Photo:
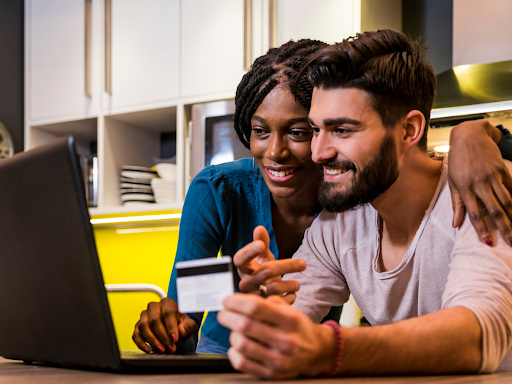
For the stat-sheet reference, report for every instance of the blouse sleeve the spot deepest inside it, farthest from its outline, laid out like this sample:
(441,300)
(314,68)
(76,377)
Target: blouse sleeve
(505,146)
(202,227)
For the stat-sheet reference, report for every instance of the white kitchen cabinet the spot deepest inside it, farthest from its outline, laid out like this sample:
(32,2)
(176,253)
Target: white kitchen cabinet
(56,63)
(145,51)
(122,74)
(212,46)
(326,20)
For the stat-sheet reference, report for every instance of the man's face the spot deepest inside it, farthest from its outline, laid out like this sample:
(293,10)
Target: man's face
(355,150)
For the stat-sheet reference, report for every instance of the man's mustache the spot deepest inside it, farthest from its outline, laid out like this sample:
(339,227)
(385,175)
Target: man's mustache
(346,164)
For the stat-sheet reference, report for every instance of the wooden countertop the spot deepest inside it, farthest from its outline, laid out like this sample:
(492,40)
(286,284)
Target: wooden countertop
(16,372)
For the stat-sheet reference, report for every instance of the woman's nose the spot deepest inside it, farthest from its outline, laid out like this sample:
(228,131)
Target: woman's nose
(278,148)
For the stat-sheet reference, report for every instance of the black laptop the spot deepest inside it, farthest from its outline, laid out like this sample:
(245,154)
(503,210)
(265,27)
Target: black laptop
(53,304)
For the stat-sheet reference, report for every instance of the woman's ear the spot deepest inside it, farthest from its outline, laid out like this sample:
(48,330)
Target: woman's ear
(413,128)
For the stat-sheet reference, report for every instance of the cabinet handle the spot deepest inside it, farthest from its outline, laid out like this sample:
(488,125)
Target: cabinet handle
(88,48)
(247,34)
(272,23)
(108,46)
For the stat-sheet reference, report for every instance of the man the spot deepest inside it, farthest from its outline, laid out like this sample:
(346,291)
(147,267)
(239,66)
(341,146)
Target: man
(440,300)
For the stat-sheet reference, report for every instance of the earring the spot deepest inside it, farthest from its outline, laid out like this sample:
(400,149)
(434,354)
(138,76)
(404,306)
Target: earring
(255,171)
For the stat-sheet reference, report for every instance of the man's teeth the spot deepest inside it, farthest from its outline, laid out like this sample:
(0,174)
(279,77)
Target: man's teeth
(335,171)
(280,173)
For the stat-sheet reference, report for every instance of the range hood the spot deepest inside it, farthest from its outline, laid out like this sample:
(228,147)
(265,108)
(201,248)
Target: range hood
(473,89)
(470,92)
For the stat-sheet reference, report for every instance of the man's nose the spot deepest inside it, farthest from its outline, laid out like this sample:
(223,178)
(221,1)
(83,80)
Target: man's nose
(322,149)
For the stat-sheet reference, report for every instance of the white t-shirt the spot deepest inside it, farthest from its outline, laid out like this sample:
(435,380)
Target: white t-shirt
(444,267)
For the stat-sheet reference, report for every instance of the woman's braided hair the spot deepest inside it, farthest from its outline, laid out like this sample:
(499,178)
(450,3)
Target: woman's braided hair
(279,65)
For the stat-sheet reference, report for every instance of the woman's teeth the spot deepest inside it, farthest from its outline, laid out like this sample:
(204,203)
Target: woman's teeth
(280,173)
(335,171)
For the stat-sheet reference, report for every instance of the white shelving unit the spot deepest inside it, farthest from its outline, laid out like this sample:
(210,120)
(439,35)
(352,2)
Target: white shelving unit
(122,72)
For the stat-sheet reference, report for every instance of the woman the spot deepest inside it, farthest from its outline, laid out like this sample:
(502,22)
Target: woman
(277,189)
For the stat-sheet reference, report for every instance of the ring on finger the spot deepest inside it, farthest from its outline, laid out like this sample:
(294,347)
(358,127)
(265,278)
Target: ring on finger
(263,291)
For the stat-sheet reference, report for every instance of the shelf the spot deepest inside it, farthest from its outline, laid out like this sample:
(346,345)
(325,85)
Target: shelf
(83,131)
(131,139)
(122,210)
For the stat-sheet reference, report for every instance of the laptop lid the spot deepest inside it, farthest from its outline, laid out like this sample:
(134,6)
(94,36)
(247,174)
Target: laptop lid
(53,303)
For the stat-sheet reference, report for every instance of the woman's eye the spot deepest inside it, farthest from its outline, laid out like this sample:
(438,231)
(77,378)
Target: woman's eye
(301,132)
(258,131)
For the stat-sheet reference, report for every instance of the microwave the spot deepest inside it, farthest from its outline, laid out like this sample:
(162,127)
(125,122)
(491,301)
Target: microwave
(212,138)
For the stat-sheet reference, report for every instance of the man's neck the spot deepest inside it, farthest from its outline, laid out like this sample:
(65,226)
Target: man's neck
(402,207)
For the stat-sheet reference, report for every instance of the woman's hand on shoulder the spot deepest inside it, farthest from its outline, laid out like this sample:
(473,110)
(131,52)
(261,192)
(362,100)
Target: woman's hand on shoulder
(163,327)
(480,182)
(257,266)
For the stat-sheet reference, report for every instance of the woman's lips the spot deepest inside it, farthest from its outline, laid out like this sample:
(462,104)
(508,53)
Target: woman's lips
(280,176)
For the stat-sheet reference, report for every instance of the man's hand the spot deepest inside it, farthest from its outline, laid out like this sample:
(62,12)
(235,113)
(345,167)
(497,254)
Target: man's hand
(163,327)
(257,266)
(480,183)
(270,339)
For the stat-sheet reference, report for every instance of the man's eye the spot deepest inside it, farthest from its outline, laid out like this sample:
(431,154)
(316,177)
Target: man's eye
(342,131)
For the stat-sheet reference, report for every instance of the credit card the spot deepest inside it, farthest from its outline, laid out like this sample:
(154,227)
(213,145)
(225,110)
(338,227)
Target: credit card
(203,284)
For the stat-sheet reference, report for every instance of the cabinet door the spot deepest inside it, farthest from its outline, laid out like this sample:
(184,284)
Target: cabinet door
(212,54)
(56,59)
(327,20)
(145,52)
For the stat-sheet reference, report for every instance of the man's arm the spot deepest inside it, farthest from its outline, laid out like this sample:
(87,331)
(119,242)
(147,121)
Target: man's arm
(271,340)
(480,279)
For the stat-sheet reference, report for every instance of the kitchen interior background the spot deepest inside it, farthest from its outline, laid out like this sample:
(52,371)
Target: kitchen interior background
(124,75)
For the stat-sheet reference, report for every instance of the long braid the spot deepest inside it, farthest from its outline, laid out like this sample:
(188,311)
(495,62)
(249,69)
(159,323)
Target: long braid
(279,65)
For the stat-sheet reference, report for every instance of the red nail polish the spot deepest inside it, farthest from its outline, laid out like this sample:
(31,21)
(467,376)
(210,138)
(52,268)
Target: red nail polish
(488,241)
(160,349)
(147,349)
(174,338)
(510,241)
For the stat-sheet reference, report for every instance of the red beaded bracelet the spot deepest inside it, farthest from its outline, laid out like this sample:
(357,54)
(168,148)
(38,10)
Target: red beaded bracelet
(339,347)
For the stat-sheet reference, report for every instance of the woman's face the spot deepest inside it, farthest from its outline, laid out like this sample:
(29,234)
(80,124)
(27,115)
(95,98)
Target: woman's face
(281,144)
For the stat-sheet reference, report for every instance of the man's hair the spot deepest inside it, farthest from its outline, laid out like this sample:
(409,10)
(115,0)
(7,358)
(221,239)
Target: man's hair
(386,65)
(279,65)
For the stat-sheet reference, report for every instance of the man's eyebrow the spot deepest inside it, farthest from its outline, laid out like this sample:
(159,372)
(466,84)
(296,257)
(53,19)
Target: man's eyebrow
(341,121)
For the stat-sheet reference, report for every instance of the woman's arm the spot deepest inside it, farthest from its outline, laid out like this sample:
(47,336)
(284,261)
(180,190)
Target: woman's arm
(480,183)
(162,325)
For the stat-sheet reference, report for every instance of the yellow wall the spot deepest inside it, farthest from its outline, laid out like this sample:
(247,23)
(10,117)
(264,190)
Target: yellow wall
(141,253)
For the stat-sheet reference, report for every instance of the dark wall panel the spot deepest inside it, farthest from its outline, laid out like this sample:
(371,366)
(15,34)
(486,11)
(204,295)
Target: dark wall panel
(433,21)
(11,68)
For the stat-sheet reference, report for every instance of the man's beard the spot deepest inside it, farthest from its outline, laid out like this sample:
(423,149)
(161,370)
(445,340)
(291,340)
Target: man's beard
(367,184)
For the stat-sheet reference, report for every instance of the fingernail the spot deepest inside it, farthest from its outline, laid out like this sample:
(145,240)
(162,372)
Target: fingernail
(147,349)
(160,349)
(174,338)
(488,241)
(170,348)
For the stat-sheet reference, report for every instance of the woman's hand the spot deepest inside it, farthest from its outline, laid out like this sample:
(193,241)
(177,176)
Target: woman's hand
(479,180)
(270,339)
(257,266)
(163,327)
